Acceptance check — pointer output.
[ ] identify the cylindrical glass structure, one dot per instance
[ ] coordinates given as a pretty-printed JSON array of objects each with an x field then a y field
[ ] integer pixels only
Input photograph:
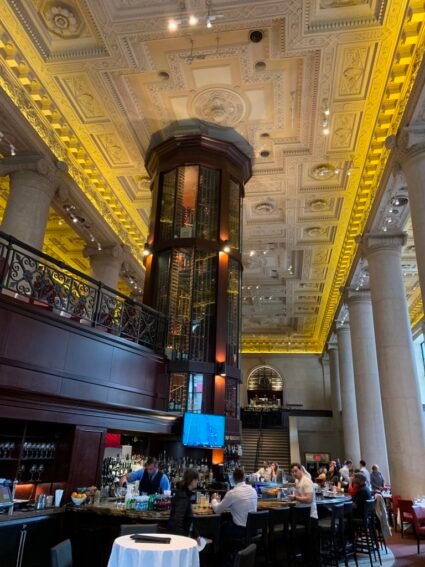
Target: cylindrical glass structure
[{"x": 194, "y": 267}]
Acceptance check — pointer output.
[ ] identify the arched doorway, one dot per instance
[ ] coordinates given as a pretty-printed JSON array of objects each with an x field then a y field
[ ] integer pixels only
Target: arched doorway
[{"x": 265, "y": 387}]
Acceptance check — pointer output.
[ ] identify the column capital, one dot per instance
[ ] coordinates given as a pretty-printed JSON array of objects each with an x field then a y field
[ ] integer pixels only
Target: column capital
[
  {"x": 378, "y": 241},
  {"x": 332, "y": 346},
  {"x": 342, "y": 329},
  {"x": 30, "y": 164},
  {"x": 409, "y": 142},
  {"x": 117, "y": 252},
  {"x": 352, "y": 296}
]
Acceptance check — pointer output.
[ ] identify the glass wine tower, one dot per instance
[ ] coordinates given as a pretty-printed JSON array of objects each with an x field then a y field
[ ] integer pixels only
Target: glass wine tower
[{"x": 193, "y": 267}]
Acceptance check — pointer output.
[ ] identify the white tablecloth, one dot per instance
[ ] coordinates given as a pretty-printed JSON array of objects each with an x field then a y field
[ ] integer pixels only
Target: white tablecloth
[{"x": 180, "y": 552}]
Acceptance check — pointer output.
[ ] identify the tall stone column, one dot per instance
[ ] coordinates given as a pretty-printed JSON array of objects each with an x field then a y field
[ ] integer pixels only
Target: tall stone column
[
  {"x": 335, "y": 391},
  {"x": 410, "y": 152},
  {"x": 373, "y": 444},
  {"x": 106, "y": 264},
  {"x": 350, "y": 426},
  {"x": 33, "y": 183},
  {"x": 403, "y": 414}
]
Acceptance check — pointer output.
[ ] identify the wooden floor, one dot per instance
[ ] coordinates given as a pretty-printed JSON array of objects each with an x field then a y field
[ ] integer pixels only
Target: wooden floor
[{"x": 405, "y": 551}]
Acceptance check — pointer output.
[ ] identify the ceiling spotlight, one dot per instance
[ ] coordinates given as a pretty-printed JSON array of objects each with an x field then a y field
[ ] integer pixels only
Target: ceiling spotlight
[
  {"x": 399, "y": 201},
  {"x": 12, "y": 150},
  {"x": 172, "y": 25},
  {"x": 326, "y": 131},
  {"x": 60, "y": 222},
  {"x": 252, "y": 253},
  {"x": 209, "y": 24},
  {"x": 99, "y": 246},
  {"x": 193, "y": 20},
  {"x": 74, "y": 218},
  {"x": 326, "y": 112},
  {"x": 92, "y": 238}
]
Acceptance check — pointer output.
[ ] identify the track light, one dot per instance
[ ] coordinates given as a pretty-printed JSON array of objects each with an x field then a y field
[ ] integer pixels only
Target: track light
[
  {"x": 225, "y": 247},
  {"x": 147, "y": 250},
  {"x": 193, "y": 20}
]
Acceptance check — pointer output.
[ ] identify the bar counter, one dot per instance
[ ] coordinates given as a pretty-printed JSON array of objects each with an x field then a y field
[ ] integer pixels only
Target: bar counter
[{"x": 23, "y": 515}]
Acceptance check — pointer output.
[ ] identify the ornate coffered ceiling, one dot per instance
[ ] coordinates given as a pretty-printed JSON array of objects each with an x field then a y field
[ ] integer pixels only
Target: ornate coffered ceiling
[{"x": 96, "y": 78}]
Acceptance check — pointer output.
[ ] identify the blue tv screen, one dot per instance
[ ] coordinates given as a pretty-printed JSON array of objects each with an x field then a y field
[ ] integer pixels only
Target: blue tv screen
[{"x": 203, "y": 430}]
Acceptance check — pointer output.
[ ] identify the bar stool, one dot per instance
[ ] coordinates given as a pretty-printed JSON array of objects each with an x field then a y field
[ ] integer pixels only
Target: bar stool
[
  {"x": 246, "y": 557},
  {"x": 365, "y": 538},
  {"x": 300, "y": 529},
  {"x": 257, "y": 530},
  {"x": 332, "y": 537},
  {"x": 209, "y": 528},
  {"x": 61, "y": 554},
  {"x": 279, "y": 521}
]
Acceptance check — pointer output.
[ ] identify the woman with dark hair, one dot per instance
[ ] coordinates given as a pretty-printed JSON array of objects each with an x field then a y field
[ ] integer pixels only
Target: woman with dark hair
[{"x": 181, "y": 515}]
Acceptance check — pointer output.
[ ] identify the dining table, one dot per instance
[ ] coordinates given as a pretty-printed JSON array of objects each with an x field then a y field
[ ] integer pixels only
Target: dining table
[{"x": 179, "y": 552}]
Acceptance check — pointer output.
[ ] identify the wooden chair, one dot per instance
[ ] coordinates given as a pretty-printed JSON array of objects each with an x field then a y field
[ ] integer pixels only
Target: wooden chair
[
  {"x": 419, "y": 523},
  {"x": 61, "y": 554},
  {"x": 246, "y": 557},
  {"x": 394, "y": 506},
  {"x": 406, "y": 513},
  {"x": 130, "y": 529}
]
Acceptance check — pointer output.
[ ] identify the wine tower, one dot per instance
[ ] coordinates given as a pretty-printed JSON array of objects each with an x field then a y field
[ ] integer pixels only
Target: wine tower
[{"x": 193, "y": 267}]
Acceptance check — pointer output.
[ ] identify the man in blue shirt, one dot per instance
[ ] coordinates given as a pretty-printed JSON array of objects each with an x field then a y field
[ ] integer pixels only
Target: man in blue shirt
[{"x": 152, "y": 480}]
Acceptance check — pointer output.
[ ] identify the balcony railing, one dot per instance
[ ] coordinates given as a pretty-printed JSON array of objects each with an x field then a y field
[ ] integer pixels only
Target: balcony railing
[{"x": 31, "y": 275}]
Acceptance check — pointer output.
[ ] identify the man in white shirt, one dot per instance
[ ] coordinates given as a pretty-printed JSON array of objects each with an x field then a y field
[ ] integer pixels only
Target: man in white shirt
[
  {"x": 304, "y": 493},
  {"x": 365, "y": 472},
  {"x": 304, "y": 490},
  {"x": 345, "y": 471},
  {"x": 239, "y": 501}
]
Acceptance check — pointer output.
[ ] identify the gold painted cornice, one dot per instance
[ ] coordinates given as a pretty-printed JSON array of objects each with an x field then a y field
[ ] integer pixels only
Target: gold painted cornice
[{"x": 398, "y": 61}]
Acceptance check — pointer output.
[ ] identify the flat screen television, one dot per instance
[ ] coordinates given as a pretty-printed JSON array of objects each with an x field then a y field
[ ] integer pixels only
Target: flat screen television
[{"x": 203, "y": 430}]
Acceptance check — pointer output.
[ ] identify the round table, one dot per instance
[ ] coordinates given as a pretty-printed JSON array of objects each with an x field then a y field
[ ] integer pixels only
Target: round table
[{"x": 180, "y": 552}]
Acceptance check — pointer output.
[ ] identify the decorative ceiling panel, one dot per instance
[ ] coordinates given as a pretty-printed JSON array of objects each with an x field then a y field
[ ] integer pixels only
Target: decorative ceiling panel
[{"x": 96, "y": 78}]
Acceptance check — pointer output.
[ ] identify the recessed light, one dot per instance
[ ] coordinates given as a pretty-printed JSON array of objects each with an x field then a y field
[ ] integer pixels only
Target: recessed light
[
  {"x": 260, "y": 66},
  {"x": 264, "y": 153}
]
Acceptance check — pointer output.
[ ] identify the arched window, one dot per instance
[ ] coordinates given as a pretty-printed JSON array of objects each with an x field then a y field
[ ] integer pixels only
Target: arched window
[{"x": 265, "y": 386}]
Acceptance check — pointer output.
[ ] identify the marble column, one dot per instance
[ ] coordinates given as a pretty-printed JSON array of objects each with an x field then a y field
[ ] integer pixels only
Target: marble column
[
  {"x": 33, "y": 184},
  {"x": 411, "y": 156},
  {"x": 335, "y": 393},
  {"x": 106, "y": 264},
  {"x": 373, "y": 445},
  {"x": 401, "y": 404},
  {"x": 350, "y": 426}
]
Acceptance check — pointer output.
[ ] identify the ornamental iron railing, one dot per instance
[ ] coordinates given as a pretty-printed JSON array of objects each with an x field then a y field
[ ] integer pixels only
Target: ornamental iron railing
[{"x": 28, "y": 274}]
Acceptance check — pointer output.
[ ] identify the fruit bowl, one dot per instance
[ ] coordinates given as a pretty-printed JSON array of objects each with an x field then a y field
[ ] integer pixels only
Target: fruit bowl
[{"x": 78, "y": 501}]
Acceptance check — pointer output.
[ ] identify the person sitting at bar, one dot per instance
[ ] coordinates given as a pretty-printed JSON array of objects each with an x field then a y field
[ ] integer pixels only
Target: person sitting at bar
[
  {"x": 362, "y": 494},
  {"x": 152, "y": 480},
  {"x": 353, "y": 487},
  {"x": 321, "y": 477},
  {"x": 181, "y": 515},
  {"x": 239, "y": 501},
  {"x": 332, "y": 474},
  {"x": 377, "y": 481},
  {"x": 276, "y": 474},
  {"x": 264, "y": 472}
]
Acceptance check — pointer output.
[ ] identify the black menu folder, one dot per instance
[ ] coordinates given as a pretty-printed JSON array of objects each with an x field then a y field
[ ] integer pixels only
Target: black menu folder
[{"x": 150, "y": 539}]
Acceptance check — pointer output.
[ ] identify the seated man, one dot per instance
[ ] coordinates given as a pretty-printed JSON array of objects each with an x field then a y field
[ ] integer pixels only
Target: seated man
[
  {"x": 362, "y": 494},
  {"x": 239, "y": 501}
]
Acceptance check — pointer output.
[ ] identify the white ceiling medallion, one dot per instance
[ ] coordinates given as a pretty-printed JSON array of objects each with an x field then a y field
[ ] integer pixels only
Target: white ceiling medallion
[
  {"x": 220, "y": 106},
  {"x": 323, "y": 171}
]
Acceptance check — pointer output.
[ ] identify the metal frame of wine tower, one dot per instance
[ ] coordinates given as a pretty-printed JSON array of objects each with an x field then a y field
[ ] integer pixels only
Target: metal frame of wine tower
[{"x": 194, "y": 268}]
